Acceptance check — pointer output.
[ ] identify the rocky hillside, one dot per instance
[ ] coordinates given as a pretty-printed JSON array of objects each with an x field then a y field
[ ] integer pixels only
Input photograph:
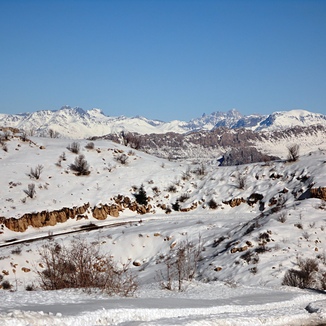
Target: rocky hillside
[{"x": 253, "y": 220}]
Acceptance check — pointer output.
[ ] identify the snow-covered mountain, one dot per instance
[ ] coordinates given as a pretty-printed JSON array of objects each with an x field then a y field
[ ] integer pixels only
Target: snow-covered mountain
[
  {"x": 289, "y": 119},
  {"x": 77, "y": 123}
]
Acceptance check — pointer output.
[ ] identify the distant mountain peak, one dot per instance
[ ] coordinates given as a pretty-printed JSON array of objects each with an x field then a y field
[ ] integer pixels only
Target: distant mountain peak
[{"x": 79, "y": 123}]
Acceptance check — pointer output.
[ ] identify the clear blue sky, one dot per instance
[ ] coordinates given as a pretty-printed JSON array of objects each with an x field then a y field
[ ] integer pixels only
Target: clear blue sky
[{"x": 163, "y": 59}]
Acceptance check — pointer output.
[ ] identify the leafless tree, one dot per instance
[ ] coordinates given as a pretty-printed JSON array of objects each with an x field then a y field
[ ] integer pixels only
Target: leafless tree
[{"x": 181, "y": 265}]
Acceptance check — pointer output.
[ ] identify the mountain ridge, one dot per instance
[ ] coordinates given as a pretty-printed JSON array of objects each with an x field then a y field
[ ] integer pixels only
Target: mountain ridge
[{"x": 77, "y": 123}]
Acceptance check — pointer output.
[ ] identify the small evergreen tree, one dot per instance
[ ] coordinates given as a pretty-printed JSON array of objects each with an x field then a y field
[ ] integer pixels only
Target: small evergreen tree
[{"x": 141, "y": 196}]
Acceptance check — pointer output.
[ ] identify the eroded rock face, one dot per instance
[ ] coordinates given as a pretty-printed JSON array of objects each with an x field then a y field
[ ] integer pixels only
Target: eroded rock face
[
  {"x": 234, "y": 202},
  {"x": 102, "y": 212},
  {"x": 318, "y": 193},
  {"x": 46, "y": 218},
  {"x": 43, "y": 218}
]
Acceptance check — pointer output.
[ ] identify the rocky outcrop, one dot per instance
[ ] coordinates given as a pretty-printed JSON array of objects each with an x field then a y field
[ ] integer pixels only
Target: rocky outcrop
[
  {"x": 103, "y": 211},
  {"x": 318, "y": 193},
  {"x": 44, "y": 218},
  {"x": 234, "y": 202},
  {"x": 100, "y": 212},
  {"x": 254, "y": 198}
]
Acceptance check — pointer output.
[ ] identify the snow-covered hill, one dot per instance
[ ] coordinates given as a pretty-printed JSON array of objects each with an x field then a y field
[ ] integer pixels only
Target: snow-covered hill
[
  {"x": 254, "y": 222},
  {"x": 76, "y": 123}
]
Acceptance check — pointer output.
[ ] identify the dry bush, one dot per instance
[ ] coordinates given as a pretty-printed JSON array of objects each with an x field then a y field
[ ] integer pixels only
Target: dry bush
[
  {"x": 200, "y": 170},
  {"x": 80, "y": 166},
  {"x": 81, "y": 265},
  {"x": 90, "y": 145},
  {"x": 74, "y": 147},
  {"x": 123, "y": 159},
  {"x": 36, "y": 173},
  {"x": 305, "y": 277},
  {"x": 6, "y": 285},
  {"x": 24, "y": 136},
  {"x": 172, "y": 188},
  {"x": 282, "y": 217},
  {"x": 184, "y": 197},
  {"x": 53, "y": 133},
  {"x": 30, "y": 191},
  {"x": 293, "y": 153},
  {"x": 240, "y": 180},
  {"x": 181, "y": 265}
]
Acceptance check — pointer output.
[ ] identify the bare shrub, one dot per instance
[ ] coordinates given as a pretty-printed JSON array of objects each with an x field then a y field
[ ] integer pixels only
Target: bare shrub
[
  {"x": 240, "y": 180},
  {"x": 53, "y": 133},
  {"x": 305, "y": 277},
  {"x": 63, "y": 156},
  {"x": 156, "y": 190},
  {"x": 30, "y": 287},
  {"x": 90, "y": 145},
  {"x": 181, "y": 265},
  {"x": 132, "y": 140},
  {"x": 36, "y": 173},
  {"x": 30, "y": 191},
  {"x": 74, "y": 147},
  {"x": 184, "y": 197},
  {"x": 200, "y": 170},
  {"x": 16, "y": 251},
  {"x": 6, "y": 285},
  {"x": 293, "y": 153},
  {"x": 322, "y": 281},
  {"x": 282, "y": 217},
  {"x": 81, "y": 265},
  {"x": 7, "y": 134},
  {"x": 24, "y": 136},
  {"x": 123, "y": 159},
  {"x": 186, "y": 175},
  {"x": 172, "y": 188},
  {"x": 80, "y": 166}
]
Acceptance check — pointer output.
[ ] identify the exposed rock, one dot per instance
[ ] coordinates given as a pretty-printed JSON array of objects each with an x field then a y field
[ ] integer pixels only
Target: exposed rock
[
  {"x": 318, "y": 193},
  {"x": 254, "y": 198},
  {"x": 234, "y": 202},
  {"x": 217, "y": 269},
  {"x": 43, "y": 218},
  {"x": 102, "y": 212},
  {"x": 188, "y": 209}
]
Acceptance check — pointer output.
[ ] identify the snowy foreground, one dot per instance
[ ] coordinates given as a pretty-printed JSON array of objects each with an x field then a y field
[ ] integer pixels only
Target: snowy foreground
[{"x": 202, "y": 304}]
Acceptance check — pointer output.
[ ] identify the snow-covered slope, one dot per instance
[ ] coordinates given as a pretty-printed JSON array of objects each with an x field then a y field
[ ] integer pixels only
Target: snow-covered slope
[{"x": 253, "y": 221}]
